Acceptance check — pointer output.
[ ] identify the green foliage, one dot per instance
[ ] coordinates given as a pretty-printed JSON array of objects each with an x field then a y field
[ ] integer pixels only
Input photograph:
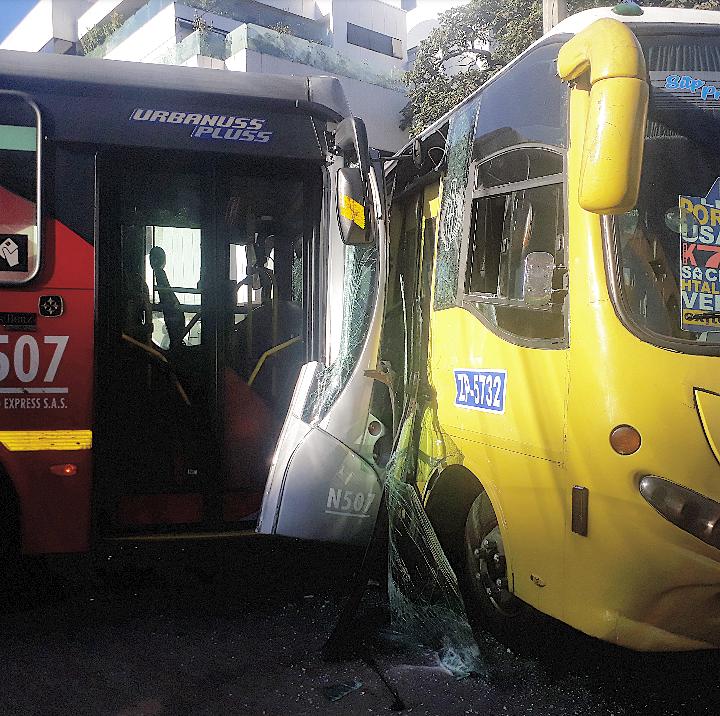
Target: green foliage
[
  {"x": 454, "y": 60},
  {"x": 200, "y": 24},
  {"x": 97, "y": 34},
  {"x": 282, "y": 29}
]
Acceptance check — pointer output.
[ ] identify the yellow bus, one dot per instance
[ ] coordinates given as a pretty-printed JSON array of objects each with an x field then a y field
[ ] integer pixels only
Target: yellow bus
[{"x": 555, "y": 250}]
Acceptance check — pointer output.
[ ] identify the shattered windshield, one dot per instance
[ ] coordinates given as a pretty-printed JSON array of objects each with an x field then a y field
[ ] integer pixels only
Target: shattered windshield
[
  {"x": 359, "y": 292},
  {"x": 667, "y": 249}
]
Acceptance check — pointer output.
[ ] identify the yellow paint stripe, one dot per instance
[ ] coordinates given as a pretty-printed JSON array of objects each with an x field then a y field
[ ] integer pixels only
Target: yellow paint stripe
[
  {"x": 352, "y": 210},
  {"x": 36, "y": 440}
]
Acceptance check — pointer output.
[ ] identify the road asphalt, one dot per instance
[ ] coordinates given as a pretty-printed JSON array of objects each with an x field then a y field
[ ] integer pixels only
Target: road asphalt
[{"x": 238, "y": 627}]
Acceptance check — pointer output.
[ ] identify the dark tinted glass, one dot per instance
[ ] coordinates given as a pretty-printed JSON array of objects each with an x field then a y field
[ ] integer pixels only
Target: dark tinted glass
[
  {"x": 527, "y": 103},
  {"x": 680, "y": 52},
  {"x": 369, "y": 39},
  {"x": 518, "y": 165},
  {"x": 17, "y": 146}
]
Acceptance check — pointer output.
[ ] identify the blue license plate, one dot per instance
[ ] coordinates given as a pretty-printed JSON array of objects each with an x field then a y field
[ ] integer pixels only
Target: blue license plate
[{"x": 481, "y": 389}]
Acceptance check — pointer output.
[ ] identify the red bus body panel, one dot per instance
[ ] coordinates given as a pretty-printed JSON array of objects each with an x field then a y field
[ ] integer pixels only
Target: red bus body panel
[{"x": 55, "y": 508}]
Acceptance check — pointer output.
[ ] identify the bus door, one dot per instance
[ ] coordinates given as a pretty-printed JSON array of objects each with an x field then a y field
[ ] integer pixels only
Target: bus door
[
  {"x": 268, "y": 229},
  {"x": 325, "y": 482},
  {"x": 205, "y": 325},
  {"x": 156, "y": 394}
]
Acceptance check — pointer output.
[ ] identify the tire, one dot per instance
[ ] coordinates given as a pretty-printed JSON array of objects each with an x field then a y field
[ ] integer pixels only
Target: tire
[
  {"x": 10, "y": 538},
  {"x": 490, "y": 605}
]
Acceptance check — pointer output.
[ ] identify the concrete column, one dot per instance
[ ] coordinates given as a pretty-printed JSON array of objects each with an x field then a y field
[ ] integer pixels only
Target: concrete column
[{"x": 553, "y": 12}]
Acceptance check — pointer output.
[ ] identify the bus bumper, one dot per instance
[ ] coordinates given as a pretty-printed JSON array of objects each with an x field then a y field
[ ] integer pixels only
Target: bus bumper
[
  {"x": 641, "y": 581},
  {"x": 683, "y": 619}
]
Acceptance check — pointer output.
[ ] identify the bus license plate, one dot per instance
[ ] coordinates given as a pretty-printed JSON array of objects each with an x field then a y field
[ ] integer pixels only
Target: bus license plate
[{"x": 481, "y": 390}]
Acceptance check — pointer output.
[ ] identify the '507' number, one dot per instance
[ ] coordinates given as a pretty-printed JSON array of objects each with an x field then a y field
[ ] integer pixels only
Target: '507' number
[{"x": 26, "y": 358}]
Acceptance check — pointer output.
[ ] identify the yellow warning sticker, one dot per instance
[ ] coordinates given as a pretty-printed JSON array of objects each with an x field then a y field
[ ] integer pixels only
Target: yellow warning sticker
[{"x": 353, "y": 210}]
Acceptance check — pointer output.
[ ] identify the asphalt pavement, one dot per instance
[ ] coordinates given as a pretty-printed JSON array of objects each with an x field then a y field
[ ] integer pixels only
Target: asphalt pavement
[{"x": 238, "y": 627}]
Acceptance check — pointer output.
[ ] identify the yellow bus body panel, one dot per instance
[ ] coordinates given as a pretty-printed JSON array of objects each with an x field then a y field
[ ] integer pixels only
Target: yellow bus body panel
[{"x": 635, "y": 579}]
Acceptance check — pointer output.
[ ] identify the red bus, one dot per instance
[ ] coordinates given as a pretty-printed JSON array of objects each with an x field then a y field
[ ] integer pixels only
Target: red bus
[{"x": 192, "y": 272}]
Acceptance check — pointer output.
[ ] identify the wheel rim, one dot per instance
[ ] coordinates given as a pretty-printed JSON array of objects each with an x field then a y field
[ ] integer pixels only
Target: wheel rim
[{"x": 489, "y": 572}]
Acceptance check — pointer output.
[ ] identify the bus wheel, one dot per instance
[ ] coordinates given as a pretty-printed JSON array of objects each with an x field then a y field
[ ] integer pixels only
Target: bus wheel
[
  {"x": 9, "y": 527},
  {"x": 489, "y": 602}
]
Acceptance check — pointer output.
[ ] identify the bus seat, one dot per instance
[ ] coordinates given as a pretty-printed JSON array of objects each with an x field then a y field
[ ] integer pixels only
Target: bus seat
[{"x": 250, "y": 433}]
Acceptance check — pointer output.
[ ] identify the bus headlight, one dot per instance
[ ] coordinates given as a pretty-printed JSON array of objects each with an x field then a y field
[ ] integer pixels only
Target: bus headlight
[{"x": 689, "y": 510}]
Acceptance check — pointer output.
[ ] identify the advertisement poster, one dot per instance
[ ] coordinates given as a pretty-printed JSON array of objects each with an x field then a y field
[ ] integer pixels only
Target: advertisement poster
[{"x": 700, "y": 261}]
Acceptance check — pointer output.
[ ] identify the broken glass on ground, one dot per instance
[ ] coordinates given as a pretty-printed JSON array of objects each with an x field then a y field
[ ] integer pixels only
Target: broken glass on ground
[
  {"x": 425, "y": 600},
  {"x": 335, "y": 692}
]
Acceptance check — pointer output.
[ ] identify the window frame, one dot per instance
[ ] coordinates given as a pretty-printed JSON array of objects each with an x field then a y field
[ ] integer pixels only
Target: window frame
[
  {"x": 357, "y": 35},
  {"x": 469, "y": 301},
  {"x": 35, "y": 269}
]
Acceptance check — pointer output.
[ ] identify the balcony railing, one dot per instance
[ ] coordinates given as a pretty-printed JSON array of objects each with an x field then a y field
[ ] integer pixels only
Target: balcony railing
[
  {"x": 208, "y": 44},
  {"x": 243, "y": 11},
  {"x": 257, "y": 13},
  {"x": 247, "y": 37},
  {"x": 296, "y": 49}
]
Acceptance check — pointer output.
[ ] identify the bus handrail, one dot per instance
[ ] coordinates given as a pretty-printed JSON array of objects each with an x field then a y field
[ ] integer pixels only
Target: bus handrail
[{"x": 268, "y": 353}]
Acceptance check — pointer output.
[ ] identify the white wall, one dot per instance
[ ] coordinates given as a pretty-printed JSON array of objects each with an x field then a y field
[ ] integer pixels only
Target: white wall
[
  {"x": 304, "y": 8},
  {"x": 33, "y": 31},
  {"x": 421, "y": 31},
  {"x": 150, "y": 40},
  {"x": 100, "y": 9},
  {"x": 373, "y": 15},
  {"x": 377, "y": 106},
  {"x": 208, "y": 63},
  {"x": 47, "y": 20}
]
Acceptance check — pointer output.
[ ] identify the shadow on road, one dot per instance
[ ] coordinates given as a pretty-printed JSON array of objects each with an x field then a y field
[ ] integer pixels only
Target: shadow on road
[{"x": 238, "y": 627}]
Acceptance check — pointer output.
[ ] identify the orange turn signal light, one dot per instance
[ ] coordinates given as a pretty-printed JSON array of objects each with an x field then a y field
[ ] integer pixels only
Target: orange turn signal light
[
  {"x": 625, "y": 440},
  {"x": 66, "y": 470}
]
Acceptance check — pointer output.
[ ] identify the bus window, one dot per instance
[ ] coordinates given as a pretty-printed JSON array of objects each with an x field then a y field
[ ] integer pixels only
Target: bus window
[
  {"x": 515, "y": 166},
  {"x": 680, "y": 159},
  {"x": 453, "y": 210},
  {"x": 265, "y": 315},
  {"x": 172, "y": 268},
  {"x": 509, "y": 228},
  {"x": 19, "y": 189},
  {"x": 504, "y": 119}
]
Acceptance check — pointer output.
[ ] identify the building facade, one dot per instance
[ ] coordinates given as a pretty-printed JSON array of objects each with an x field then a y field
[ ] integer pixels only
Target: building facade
[{"x": 362, "y": 42}]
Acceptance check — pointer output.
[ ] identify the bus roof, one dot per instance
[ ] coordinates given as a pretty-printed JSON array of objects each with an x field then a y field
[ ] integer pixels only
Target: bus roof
[
  {"x": 17, "y": 68},
  {"x": 654, "y": 15}
]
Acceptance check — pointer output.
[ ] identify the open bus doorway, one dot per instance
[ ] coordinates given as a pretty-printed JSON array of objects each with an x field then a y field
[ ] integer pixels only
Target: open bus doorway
[{"x": 204, "y": 324}]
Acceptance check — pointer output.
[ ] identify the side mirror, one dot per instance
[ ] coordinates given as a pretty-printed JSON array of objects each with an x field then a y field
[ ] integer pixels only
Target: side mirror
[
  {"x": 538, "y": 279},
  {"x": 611, "y": 55},
  {"x": 351, "y": 139},
  {"x": 352, "y": 207},
  {"x": 613, "y": 151}
]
